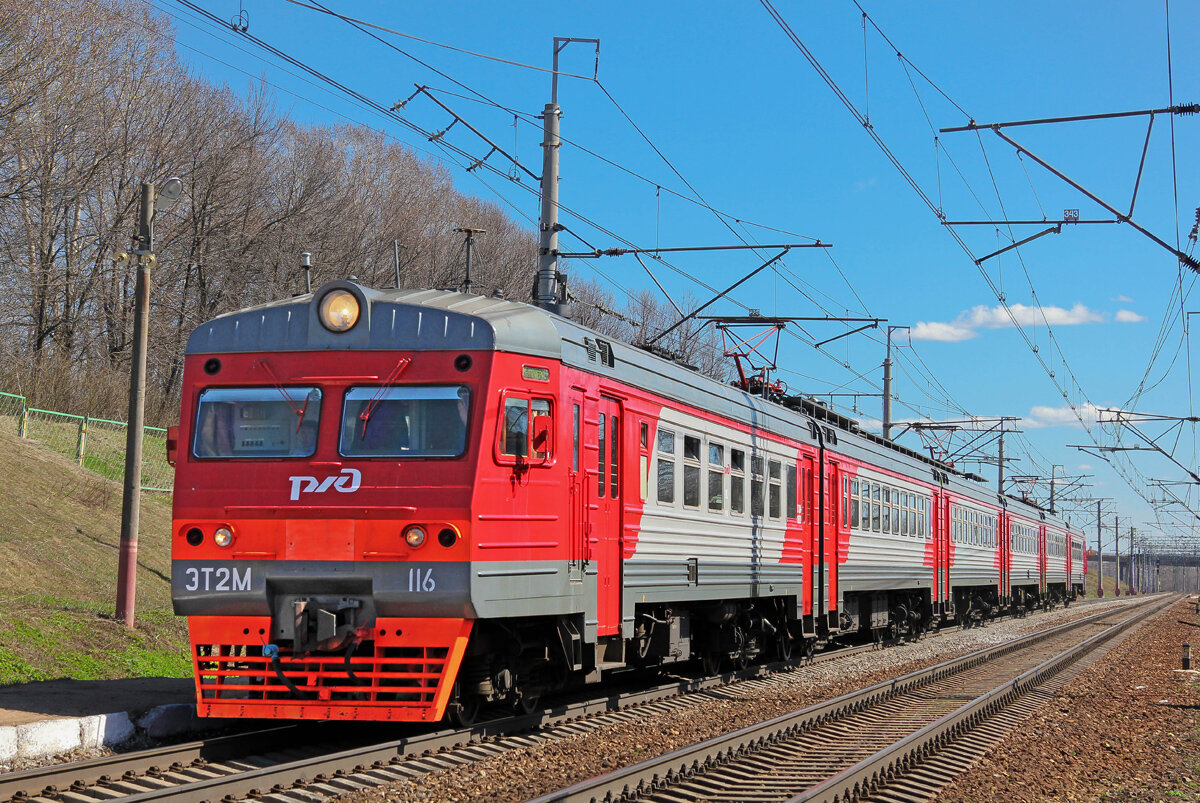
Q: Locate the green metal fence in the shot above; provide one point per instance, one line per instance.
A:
(94, 443)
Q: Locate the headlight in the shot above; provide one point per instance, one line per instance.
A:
(414, 536)
(339, 310)
(223, 536)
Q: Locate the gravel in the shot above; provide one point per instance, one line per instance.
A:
(1132, 726)
(529, 771)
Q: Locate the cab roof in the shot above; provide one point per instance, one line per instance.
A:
(402, 320)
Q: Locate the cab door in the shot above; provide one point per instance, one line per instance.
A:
(606, 513)
(579, 481)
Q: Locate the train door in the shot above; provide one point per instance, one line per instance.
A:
(580, 481)
(943, 552)
(808, 535)
(1004, 545)
(1042, 559)
(606, 514)
(832, 515)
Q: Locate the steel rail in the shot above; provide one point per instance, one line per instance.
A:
(650, 774)
(205, 754)
(23, 784)
(872, 774)
(180, 767)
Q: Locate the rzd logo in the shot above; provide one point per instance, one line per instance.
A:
(346, 482)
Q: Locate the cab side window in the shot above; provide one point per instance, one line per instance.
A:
(521, 434)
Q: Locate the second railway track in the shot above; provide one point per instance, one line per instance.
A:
(889, 741)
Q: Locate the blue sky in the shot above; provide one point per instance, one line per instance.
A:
(734, 106)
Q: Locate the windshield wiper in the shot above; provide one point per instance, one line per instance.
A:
(373, 402)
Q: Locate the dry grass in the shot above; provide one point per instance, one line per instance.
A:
(59, 545)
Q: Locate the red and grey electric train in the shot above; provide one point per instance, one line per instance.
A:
(394, 505)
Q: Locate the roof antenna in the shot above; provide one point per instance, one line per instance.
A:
(466, 285)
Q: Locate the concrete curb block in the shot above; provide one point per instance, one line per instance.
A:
(35, 740)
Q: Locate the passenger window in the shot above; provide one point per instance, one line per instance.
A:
(691, 485)
(716, 490)
(601, 456)
(791, 491)
(691, 471)
(757, 506)
(774, 493)
(575, 437)
(737, 494)
(666, 481)
(615, 442)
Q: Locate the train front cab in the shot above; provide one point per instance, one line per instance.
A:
(324, 564)
(323, 523)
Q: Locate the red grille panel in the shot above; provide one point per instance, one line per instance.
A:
(404, 670)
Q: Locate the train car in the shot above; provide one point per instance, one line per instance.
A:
(1026, 585)
(398, 505)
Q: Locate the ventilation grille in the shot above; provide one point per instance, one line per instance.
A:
(396, 676)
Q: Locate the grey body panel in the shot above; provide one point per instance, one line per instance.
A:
(480, 589)
(196, 585)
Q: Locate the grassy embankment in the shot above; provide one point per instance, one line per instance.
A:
(59, 538)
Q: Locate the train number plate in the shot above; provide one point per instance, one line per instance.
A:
(213, 578)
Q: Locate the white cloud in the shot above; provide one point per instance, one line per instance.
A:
(1041, 417)
(1129, 316)
(1122, 300)
(1085, 467)
(984, 317)
(941, 332)
(997, 318)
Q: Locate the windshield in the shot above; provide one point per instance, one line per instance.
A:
(405, 421)
(257, 422)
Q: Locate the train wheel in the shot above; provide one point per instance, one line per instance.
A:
(463, 711)
(710, 660)
(786, 645)
(527, 702)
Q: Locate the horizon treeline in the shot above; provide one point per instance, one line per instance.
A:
(94, 99)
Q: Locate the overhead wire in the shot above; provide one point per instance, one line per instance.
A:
(1124, 468)
(455, 152)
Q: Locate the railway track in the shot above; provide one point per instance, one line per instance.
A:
(325, 757)
(310, 761)
(900, 740)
